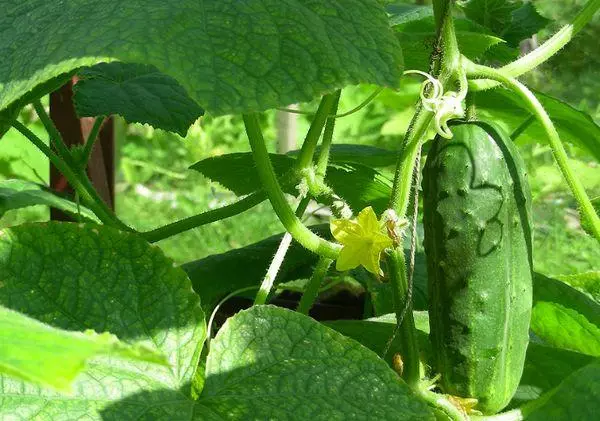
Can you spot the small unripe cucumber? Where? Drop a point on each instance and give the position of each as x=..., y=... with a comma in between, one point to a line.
x=477, y=218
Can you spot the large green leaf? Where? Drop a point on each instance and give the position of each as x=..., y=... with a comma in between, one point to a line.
x=219, y=274
x=86, y=276
x=359, y=185
x=139, y=93
x=229, y=56
x=418, y=39
x=52, y=357
x=565, y=328
x=506, y=109
x=271, y=363
x=511, y=20
x=17, y=194
x=576, y=398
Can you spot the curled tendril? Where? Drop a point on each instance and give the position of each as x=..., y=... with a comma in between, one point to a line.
x=446, y=106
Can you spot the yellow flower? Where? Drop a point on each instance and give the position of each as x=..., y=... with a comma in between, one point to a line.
x=362, y=239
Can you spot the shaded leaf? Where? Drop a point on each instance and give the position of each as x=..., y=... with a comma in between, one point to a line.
x=52, y=357
x=513, y=21
x=370, y=156
x=17, y=194
x=576, y=398
x=545, y=368
x=137, y=92
x=229, y=56
x=418, y=40
x=86, y=276
x=358, y=184
x=217, y=275
x=588, y=283
x=271, y=363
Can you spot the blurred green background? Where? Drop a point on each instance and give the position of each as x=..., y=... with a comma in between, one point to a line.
x=155, y=186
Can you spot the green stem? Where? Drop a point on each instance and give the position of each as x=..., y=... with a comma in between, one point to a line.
x=409, y=348
x=442, y=404
x=55, y=136
x=314, y=283
x=81, y=185
x=314, y=132
x=276, y=196
x=522, y=127
x=547, y=49
x=284, y=245
x=204, y=218
x=89, y=143
x=476, y=71
x=323, y=158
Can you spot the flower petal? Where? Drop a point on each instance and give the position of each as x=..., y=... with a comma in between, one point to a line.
x=368, y=221
x=345, y=230
x=371, y=259
x=350, y=257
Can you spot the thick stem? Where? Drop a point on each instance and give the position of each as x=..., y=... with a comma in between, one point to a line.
x=204, y=218
x=276, y=196
x=314, y=132
x=560, y=155
x=409, y=348
x=81, y=184
x=314, y=283
x=323, y=158
x=442, y=404
x=547, y=49
x=284, y=245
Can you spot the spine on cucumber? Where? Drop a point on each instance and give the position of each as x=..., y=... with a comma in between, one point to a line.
x=477, y=218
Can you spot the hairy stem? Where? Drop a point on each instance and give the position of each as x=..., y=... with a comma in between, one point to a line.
x=81, y=184
x=314, y=132
x=55, y=136
x=314, y=283
x=560, y=155
x=284, y=245
x=409, y=349
x=91, y=140
x=276, y=196
x=204, y=218
x=546, y=50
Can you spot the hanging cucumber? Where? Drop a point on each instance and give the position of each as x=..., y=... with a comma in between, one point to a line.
x=477, y=217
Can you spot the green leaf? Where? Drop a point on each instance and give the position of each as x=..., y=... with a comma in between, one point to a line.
x=52, y=357
x=588, y=283
x=513, y=21
x=17, y=194
x=139, y=93
x=550, y=290
x=506, y=109
x=86, y=276
x=418, y=39
x=229, y=56
x=404, y=13
x=358, y=184
x=576, y=398
x=545, y=368
x=565, y=328
x=220, y=274
x=271, y=363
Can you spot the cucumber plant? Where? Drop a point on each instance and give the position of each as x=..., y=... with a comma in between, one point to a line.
x=97, y=323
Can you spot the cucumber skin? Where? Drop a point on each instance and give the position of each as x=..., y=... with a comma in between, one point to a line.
x=476, y=195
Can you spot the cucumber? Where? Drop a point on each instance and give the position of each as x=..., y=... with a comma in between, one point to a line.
x=477, y=218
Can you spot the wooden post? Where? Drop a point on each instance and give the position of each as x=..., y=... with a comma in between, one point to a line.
x=286, y=130
x=74, y=131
